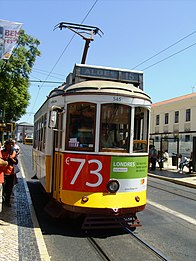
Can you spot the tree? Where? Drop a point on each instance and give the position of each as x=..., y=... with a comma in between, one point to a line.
x=14, y=77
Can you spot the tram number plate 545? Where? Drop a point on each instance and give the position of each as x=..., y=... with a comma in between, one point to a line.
x=117, y=98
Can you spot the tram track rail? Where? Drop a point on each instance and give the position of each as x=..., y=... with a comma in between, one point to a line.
x=101, y=253
x=147, y=246
x=143, y=246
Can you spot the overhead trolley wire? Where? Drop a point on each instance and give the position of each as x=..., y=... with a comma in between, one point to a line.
x=69, y=43
x=169, y=57
x=46, y=72
x=61, y=55
x=45, y=81
x=165, y=49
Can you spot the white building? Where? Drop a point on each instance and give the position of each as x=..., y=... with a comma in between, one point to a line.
x=173, y=124
x=23, y=130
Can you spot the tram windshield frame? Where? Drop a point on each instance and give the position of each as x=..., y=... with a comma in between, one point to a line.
x=81, y=124
x=122, y=128
x=115, y=127
x=141, y=129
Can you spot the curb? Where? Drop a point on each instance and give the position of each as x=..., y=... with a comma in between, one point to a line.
x=173, y=180
x=38, y=234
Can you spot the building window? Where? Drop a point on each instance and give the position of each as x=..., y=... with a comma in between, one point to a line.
x=166, y=118
x=188, y=114
x=157, y=119
x=176, y=119
x=187, y=138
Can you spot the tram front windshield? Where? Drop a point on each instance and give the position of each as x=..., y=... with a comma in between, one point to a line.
x=115, y=126
x=81, y=126
x=122, y=128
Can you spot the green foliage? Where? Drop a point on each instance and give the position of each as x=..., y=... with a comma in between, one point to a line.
x=14, y=77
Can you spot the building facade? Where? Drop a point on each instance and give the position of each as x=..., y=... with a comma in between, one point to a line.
x=173, y=124
x=23, y=131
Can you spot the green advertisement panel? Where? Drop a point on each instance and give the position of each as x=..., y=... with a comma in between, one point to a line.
x=128, y=167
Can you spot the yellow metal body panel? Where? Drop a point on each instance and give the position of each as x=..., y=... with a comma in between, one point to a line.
x=97, y=199
x=48, y=163
x=103, y=200
x=58, y=170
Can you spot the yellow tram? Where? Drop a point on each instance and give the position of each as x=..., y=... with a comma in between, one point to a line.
x=90, y=146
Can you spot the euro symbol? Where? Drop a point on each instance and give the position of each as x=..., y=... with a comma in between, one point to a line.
x=67, y=161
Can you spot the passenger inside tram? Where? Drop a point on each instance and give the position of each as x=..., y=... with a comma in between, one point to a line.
x=113, y=137
x=107, y=137
x=115, y=125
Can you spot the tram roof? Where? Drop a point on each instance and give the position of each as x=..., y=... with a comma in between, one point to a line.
x=110, y=87
x=101, y=87
x=100, y=75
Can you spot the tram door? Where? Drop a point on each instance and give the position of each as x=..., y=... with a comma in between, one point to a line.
x=57, y=158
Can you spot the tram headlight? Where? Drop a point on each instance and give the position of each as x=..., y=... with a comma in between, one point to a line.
x=113, y=186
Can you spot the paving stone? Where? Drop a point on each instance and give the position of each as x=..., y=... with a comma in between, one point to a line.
x=17, y=237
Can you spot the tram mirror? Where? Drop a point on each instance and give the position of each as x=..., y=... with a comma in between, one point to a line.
x=53, y=119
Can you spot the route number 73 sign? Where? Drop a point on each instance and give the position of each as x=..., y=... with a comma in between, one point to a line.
x=88, y=173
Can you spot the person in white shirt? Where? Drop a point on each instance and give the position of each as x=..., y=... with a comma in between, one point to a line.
x=16, y=147
x=183, y=162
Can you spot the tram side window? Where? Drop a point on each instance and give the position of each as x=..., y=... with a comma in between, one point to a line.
x=40, y=133
x=35, y=135
x=58, y=133
x=44, y=130
x=80, y=134
x=115, y=127
x=141, y=124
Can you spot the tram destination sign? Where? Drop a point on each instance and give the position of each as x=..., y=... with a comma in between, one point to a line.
x=106, y=73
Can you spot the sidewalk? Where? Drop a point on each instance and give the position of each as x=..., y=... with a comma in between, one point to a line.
x=20, y=236
x=172, y=174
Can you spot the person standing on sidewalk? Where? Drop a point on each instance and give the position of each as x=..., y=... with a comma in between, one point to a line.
x=9, y=154
x=166, y=158
x=153, y=157
x=16, y=147
x=3, y=164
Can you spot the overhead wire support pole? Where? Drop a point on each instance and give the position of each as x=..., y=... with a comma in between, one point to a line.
x=87, y=44
x=82, y=30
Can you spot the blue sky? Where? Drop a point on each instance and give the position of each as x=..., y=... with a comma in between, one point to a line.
x=134, y=31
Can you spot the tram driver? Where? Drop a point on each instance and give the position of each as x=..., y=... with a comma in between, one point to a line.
x=107, y=137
